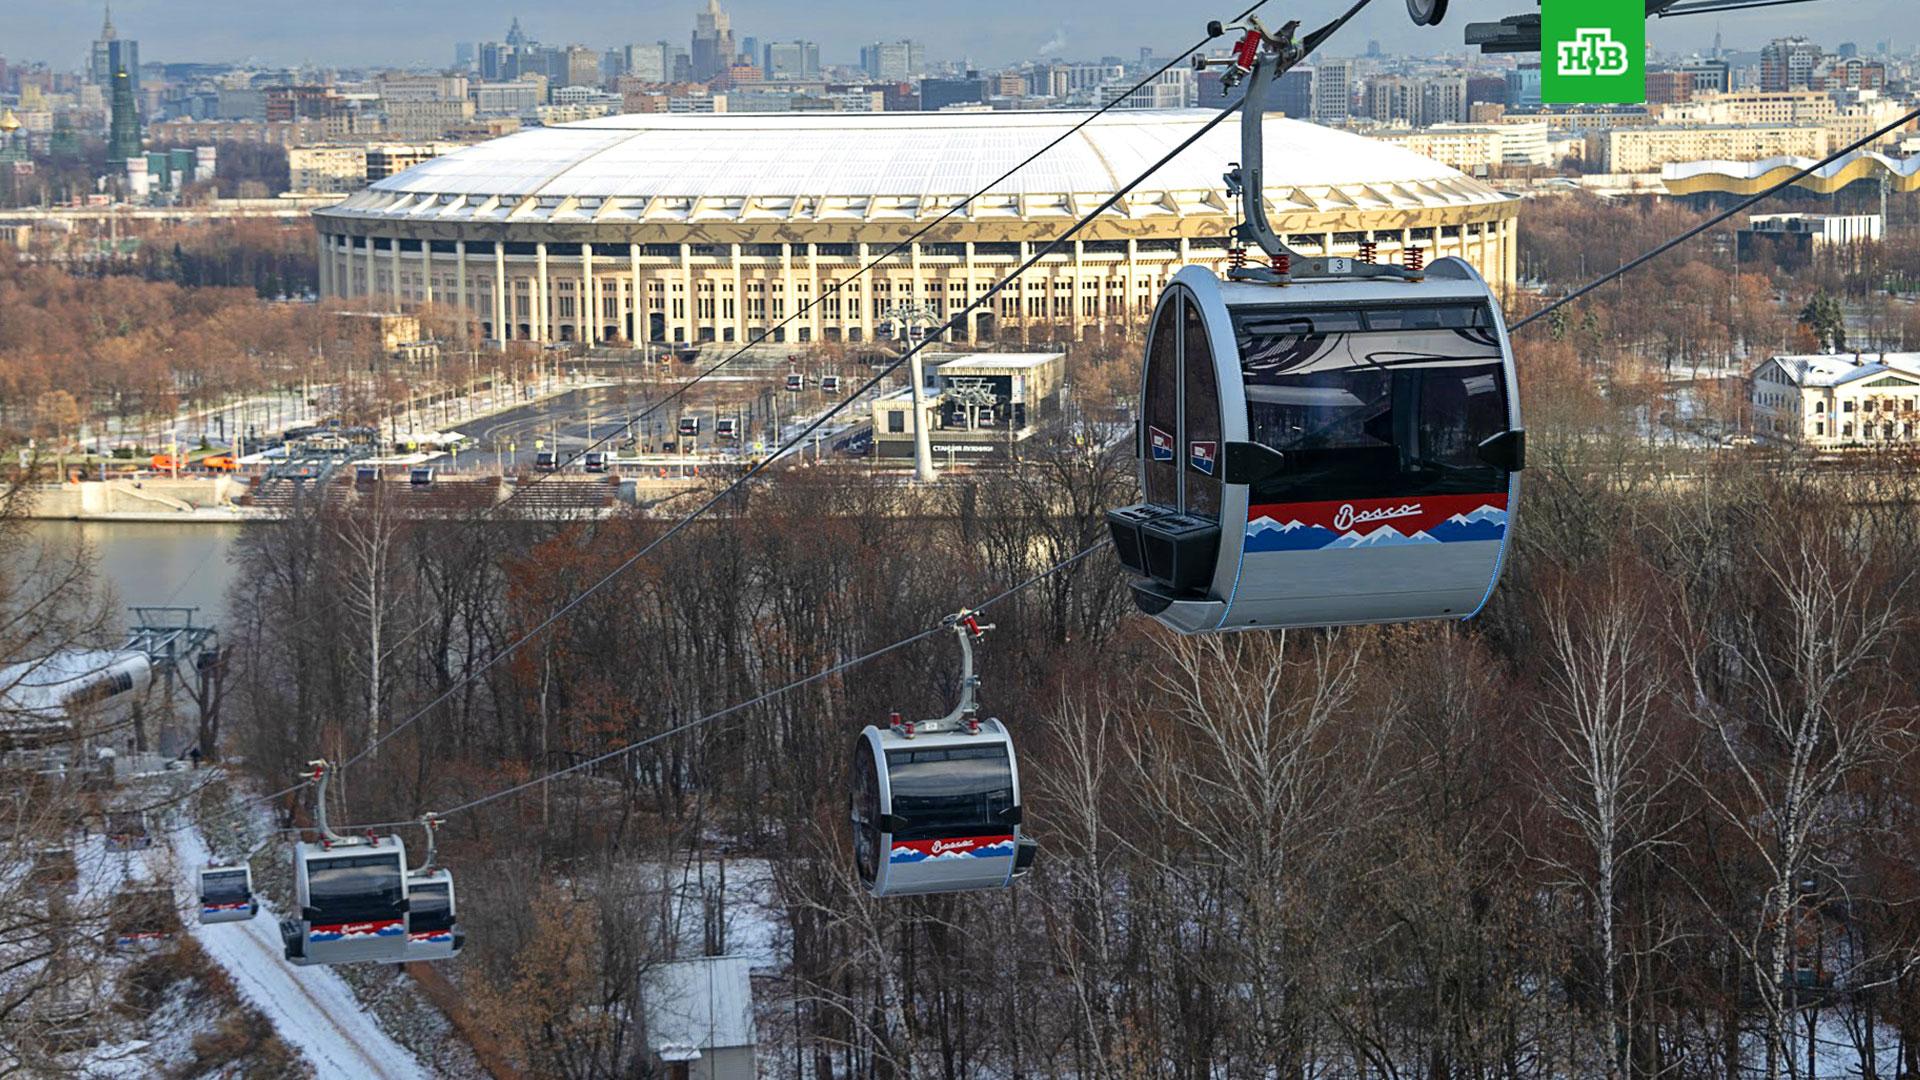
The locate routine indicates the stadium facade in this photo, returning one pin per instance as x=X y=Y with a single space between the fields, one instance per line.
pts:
x=695 y=228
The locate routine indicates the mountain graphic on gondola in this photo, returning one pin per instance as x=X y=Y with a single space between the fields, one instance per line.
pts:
x=1384 y=536
x=902 y=853
x=1266 y=534
x=1486 y=523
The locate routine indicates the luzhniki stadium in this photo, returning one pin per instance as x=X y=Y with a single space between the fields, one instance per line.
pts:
x=683 y=228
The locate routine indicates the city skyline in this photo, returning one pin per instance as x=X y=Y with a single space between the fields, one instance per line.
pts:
x=363 y=33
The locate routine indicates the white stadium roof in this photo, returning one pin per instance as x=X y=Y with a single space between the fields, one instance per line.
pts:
x=645 y=168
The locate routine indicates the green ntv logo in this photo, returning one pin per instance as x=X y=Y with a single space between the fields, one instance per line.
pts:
x=1593 y=52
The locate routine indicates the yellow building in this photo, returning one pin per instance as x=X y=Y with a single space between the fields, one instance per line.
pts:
x=1636 y=150
x=690 y=228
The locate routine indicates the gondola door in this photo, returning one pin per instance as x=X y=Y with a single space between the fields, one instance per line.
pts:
x=1178 y=538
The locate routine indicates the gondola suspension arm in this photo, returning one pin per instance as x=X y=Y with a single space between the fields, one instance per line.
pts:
x=321 y=771
x=969 y=629
x=1260 y=57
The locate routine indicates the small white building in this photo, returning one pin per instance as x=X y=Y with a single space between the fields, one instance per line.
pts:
x=1850 y=399
x=699 y=1016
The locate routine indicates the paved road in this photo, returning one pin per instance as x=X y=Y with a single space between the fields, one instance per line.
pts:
x=574 y=420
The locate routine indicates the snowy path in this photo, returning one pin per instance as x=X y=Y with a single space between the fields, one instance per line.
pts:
x=312 y=1008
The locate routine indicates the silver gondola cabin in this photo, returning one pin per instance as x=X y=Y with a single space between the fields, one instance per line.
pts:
x=226 y=894
x=433 y=922
x=935 y=805
x=1322 y=440
x=352 y=896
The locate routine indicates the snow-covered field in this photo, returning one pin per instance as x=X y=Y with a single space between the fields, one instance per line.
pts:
x=312 y=1008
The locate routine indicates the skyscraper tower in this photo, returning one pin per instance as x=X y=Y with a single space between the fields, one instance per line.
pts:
x=712 y=42
x=112 y=54
x=123 y=137
x=516 y=37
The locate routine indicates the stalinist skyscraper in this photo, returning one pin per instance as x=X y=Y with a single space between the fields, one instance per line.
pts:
x=712 y=42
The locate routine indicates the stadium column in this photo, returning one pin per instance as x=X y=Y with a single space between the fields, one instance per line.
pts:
x=973 y=317
x=788 y=302
x=691 y=307
x=739 y=300
x=814 y=295
x=865 y=298
x=502 y=329
x=1079 y=299
x=370 y=267
x=1018 y=287
x=326 y=264
x=1132 y=298
x=589 y=331
x=917 y=278
x=393 y=270
x=542 y=320
x=426 y=270
x=460 y=281
x=636 y=306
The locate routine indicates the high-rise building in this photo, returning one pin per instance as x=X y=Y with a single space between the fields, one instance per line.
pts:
x=750 y=48
x=937 y=94
x=1788 y=64
x=112 y=54
x=582 y=66
x=650 y=63
x=1171 y=89
x=1523 y=87
x=1333 y=91
x=894 y=61
x=1710 y=76
x=464 y=53
x=713 y=50
x=792 y=60
x=123 y=137
x=1293 y=94
x=517 y=37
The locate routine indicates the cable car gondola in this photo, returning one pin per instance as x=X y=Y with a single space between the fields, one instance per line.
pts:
x=1322 y=440
x=796 y=382
x=141 y=918
x=433 y=925
x=935 y=805
x=726 y=427
x=829 y=384
x=352 y=895
x=689 y=425
x=226 y=894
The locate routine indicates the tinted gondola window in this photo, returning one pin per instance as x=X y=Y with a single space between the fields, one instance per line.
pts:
x=1374 y=403
x=953 y=791
x=362 y=886
x=224 y=886
x=1162 y=422
x=430 y=908
x=866 y=812
x=1202 y=433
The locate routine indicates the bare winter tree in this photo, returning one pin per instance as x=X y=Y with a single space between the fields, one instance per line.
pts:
x=1605 y=677
x=1811 y=703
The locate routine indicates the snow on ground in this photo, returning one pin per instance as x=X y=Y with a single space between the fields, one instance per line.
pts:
x=312 y=1008
x=753 y=925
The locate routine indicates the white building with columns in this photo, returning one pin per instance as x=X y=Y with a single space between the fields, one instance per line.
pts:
x=672 y=228
x=1842 y=399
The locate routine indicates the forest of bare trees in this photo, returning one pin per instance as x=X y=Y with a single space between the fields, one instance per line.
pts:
x=1652 y=814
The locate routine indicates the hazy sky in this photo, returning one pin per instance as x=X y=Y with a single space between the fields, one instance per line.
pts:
x=407 y=32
